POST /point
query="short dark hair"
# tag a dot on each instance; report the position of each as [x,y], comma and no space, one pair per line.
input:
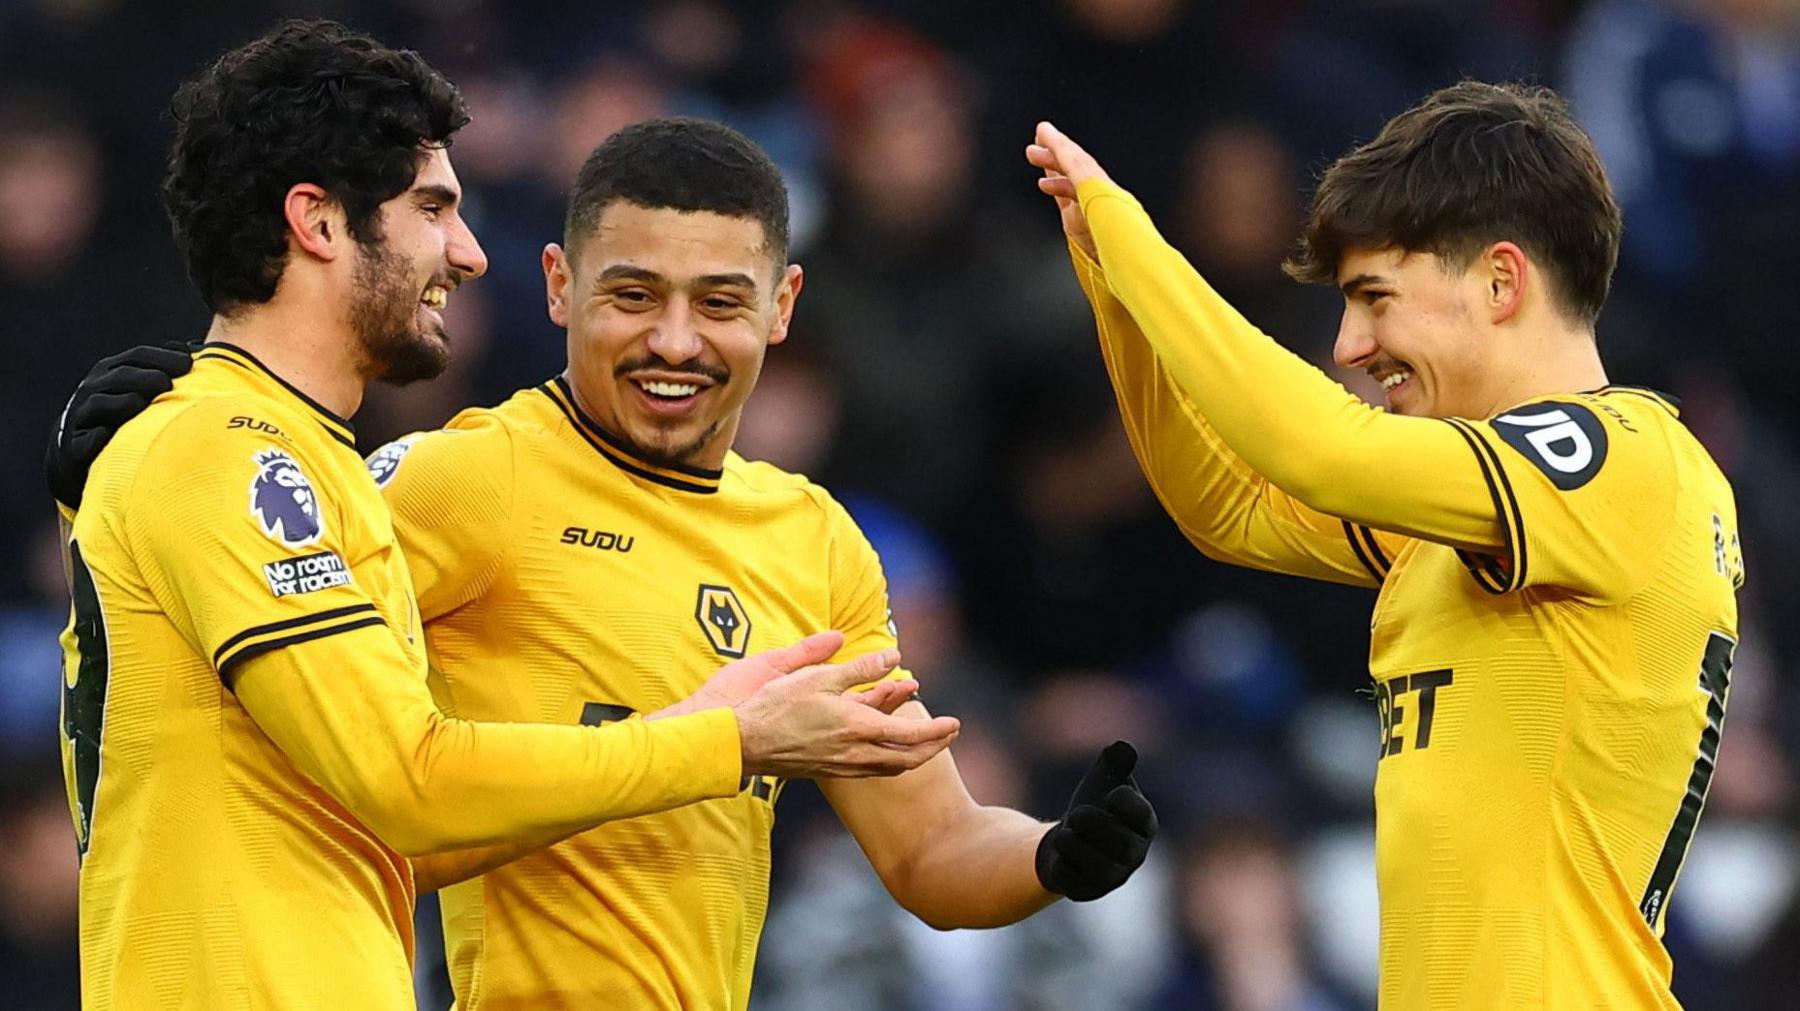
[311,101]
[1471,165]
[684,164]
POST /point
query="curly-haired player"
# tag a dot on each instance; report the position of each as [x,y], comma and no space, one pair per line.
[257,768]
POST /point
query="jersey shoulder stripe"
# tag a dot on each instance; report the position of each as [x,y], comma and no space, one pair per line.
[1367,550]
[1489,574]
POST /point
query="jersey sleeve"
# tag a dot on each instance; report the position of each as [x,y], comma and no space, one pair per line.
[1283,417]
[239,544]
[1222,505]
[251,556]
[451,492]
[1585,492]
[859,592]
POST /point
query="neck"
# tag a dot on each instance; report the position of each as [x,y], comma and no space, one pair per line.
[709,457]
[1565,361]
[312,355]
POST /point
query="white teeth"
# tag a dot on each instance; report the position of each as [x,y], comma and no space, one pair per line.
[663,389]
[1395,379]
[435,297]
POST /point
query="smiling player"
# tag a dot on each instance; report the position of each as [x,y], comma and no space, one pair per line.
[1557,557]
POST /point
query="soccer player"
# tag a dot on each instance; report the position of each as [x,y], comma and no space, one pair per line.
[251,745]
[1557,557]
[603,516]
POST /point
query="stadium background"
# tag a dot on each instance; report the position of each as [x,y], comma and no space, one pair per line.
[942,380]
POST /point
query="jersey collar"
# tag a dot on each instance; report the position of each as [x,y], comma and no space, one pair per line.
[1665,401]
[338,428]
[697,480]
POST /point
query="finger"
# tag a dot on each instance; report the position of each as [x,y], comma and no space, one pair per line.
[886,696]
[1132,809]
[861,671]
[1057,186]
[129,379]
[1118,759]
[892,760]
[905,732]
[814,649]
[1110,770]
[1102,831]
[1041,156]
[106,411]
[170,360]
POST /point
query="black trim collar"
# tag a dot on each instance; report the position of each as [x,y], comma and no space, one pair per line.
[697,480]
[339,428]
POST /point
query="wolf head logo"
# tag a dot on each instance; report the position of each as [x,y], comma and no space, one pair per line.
[722,617]
[283,501]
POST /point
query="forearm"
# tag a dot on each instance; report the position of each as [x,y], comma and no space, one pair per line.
[427,783]
[1288,421]
[977,870]
[1223,506]
[433,871]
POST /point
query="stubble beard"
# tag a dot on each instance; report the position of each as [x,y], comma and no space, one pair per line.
[384,313]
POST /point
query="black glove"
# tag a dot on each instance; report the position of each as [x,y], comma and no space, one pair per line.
[1105,834]
[113,392]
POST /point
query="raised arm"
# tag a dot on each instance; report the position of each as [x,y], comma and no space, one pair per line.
[1287,420]
[1228,510]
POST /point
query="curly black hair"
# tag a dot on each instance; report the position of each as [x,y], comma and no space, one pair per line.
[311,101]
[684,164]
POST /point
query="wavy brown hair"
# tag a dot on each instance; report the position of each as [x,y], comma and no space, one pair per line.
[1471,165]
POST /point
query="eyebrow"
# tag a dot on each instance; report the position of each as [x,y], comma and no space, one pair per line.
[629,272]
[1360,281]
[438,192]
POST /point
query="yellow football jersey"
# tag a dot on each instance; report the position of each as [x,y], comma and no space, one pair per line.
[231,518]
[564,580]
[1551,645]
[250,740]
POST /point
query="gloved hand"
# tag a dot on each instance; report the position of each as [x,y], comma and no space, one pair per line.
[1104,835]
[113,392]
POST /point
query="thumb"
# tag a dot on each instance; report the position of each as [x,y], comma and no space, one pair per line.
[866,668]
[814,649]
[1110,770]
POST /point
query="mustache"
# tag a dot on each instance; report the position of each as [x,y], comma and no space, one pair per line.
[714,373]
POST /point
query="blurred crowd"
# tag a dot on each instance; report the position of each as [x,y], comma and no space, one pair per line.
[942,380]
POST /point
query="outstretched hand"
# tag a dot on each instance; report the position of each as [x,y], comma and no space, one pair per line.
[1105,834]
[1066,165]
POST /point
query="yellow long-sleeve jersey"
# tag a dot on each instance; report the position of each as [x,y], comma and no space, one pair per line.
[564,580]
[250,746]
[1551,645]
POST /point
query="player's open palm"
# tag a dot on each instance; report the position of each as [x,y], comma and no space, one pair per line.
[804,726]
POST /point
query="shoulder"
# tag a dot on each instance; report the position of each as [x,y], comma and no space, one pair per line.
[782,488]
[192,438]
[479,441]
[1584,439]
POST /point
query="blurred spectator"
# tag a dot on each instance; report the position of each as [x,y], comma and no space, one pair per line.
[39,961]
[1240,913]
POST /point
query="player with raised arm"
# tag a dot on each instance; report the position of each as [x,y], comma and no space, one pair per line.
[603,515]
[251,746]
[1557,557]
